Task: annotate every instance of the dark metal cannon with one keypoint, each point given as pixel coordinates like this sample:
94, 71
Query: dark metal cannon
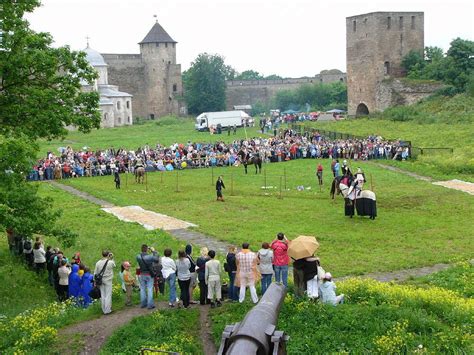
257, 333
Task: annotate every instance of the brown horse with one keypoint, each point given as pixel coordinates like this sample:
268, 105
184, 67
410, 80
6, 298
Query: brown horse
140, 175
248, 160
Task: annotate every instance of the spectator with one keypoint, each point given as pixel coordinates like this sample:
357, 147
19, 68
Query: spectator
63, 281
201, 270
39, 257
231, 269
49, 256
107, 264
247, 273
299, 285
328, 291
75, 284
265, 259
129, 282
184, 277
169, 274
87, 284
280, 258
28, 251
192, 270
219, 186
213, 279
312, 274
145, 261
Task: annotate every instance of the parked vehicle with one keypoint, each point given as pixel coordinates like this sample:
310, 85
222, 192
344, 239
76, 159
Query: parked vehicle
226, 120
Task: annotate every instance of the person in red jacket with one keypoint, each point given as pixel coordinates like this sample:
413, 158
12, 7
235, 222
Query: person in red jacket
280, 258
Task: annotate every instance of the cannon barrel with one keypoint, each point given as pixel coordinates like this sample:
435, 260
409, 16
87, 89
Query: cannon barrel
253, 334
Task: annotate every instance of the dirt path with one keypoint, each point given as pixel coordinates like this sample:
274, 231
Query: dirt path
405, 172
88, 337
205, 332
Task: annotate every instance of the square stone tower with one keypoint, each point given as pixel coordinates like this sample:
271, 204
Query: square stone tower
376, 44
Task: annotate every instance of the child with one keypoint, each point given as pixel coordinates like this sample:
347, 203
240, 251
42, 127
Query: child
213, 279
129, 282
87, 283
328, 291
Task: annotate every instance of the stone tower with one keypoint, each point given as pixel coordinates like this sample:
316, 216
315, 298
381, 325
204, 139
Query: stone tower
376, 44
153, 77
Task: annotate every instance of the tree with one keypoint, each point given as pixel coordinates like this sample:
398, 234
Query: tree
249, 75
204, 83
273, 77
40, 93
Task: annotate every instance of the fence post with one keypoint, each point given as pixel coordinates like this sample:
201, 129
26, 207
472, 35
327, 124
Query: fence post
265, 178
280, 188
232, 184
146, 181
177, 180
284, 173
126, 179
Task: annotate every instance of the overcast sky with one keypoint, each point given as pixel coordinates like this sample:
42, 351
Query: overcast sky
292, 38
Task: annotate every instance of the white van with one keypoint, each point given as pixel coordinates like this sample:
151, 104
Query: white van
226, 119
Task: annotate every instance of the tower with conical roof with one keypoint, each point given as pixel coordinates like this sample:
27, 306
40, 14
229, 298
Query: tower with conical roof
153, 77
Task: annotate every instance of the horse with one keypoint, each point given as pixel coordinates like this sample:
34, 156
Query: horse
364, 201
335, 187
140, 174
255, 159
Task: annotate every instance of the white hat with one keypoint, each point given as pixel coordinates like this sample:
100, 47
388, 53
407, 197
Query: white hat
327, 276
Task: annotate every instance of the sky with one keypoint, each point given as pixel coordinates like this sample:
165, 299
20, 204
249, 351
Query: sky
291, 38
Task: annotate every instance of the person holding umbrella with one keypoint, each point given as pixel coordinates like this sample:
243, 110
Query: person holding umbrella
301, 248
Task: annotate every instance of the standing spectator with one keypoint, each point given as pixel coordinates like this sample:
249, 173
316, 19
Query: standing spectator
312, 275
328, 291
192, 270
247, 272
280, 258
231, 269
63, 281
117, 179
146, 277
299, 285
219, 186
129, 282
49, 255
107, 264
213, 279
75, 284
319, 174
265, 259
39, 257
337, 169
28, 251
184, 276
87, 284
169, 274
201, 270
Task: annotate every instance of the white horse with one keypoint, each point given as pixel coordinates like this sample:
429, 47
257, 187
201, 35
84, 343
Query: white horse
364, 201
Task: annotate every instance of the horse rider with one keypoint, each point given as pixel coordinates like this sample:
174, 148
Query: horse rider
345, 168
358, 181
139, 163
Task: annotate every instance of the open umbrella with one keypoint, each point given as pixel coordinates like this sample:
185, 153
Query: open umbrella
302, 247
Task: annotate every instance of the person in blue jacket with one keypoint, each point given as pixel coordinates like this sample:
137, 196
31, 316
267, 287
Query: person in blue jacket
75, 284
87, 284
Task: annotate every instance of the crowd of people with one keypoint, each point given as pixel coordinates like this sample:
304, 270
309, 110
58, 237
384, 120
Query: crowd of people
283, 147
156, 274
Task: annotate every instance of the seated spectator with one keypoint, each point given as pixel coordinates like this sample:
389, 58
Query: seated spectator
328, 291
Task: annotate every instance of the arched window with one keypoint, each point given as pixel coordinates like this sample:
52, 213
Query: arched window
105, 116
118, 105
175, 87
386, 68
128, 104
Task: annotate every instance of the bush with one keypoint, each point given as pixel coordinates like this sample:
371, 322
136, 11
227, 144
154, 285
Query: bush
168, 121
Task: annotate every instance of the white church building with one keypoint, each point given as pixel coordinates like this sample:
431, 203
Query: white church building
115, 106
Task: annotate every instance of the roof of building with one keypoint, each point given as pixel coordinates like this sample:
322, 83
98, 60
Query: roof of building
107, 91
94, 58
157, 34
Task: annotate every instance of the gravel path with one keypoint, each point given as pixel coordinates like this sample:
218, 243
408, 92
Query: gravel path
405, 172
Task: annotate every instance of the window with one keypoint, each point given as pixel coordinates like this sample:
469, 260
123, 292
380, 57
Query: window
175, 87
152, 116
119, 120
128, 104
389, 23
401, 23
341, 79
365, 21
354, 25
128, 119
157, 44
105, 117
118, 105
166, 45
413, 22
386, 67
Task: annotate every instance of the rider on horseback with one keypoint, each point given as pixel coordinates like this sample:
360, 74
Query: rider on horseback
358, 181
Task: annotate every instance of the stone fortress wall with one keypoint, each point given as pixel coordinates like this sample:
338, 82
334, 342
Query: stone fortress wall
250, 92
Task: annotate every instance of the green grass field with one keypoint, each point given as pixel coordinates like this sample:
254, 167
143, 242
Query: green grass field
417, 224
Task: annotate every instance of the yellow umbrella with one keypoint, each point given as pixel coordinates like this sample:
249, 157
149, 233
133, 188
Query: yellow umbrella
302, 247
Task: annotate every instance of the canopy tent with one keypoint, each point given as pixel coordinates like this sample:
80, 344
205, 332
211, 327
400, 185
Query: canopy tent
335, 110
290, 112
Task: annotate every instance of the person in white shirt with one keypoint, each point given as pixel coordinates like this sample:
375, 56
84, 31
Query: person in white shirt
169, 274
213, 279
107, 264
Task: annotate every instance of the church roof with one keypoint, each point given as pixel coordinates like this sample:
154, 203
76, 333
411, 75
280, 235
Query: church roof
157, 34
94, 58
